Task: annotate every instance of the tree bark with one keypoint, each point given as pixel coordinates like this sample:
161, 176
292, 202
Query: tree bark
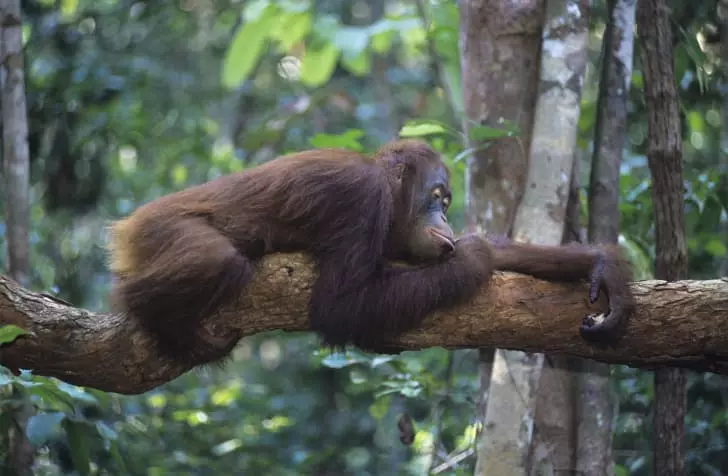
595, 402
499, 51
499, 48
16, 172
683, 323
541, 217
16, 162
664, 157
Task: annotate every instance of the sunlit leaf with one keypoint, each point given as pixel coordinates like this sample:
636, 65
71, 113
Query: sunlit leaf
291, 30
179, 174
716, 248
347, 140
358, 65
68, 8
10, 332
318, 64
381, 35
379, 408
422, 128
245, 49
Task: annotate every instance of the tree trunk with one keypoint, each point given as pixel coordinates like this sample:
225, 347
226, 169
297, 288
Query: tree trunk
595, 403
664, 156
542, 214
16, 163
16, 171
499, 47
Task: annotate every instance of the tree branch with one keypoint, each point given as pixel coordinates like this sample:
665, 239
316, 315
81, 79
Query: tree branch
682, 323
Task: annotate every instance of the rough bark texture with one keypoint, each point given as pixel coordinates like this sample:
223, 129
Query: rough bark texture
16, 175
16, 161
611, 122
499, 51
499, 47
664, 156
542, 214
595, 402
509, 415
683, 323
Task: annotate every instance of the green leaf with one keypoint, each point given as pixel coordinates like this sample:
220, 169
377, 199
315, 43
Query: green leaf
78, 394
451, 73
291, 30
11, 332
318, 64
358, 65
716, 248
347, 140
427, 127
246, 48
381, 35
69, 8
379, 408
179, 174
78, 443
620, 470
42, 426
49, 393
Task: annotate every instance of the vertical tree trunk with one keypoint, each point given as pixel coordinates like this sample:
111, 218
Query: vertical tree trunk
542, 214
664, 155
16, 172
504, 445
15, 139
595, 404
499, 47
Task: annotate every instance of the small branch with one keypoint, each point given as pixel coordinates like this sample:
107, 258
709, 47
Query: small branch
682, 323
453, 461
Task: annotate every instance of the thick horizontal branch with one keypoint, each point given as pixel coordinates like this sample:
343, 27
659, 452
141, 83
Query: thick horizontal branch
683, 324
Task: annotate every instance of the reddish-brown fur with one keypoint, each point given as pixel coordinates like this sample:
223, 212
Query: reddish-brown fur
181, 257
